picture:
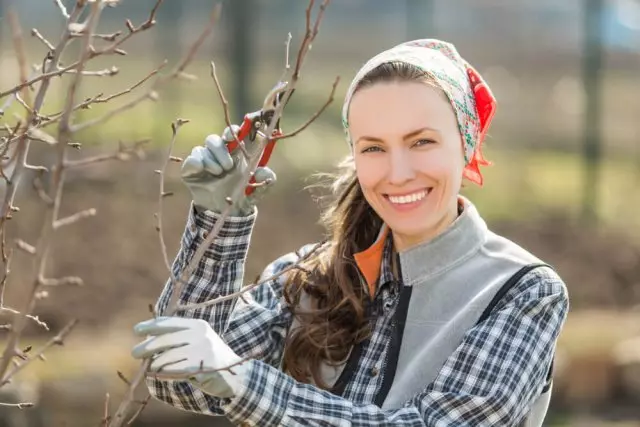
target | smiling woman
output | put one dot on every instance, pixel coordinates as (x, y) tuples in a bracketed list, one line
[(408, 152), (413, 314)]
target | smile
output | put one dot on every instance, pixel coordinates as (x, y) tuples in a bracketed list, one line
[(408, 198), (409, 201)]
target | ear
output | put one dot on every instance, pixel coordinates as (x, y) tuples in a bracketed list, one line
[(486, 105)]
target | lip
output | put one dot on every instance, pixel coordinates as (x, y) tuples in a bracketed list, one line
[(407, 193), (404, 207)]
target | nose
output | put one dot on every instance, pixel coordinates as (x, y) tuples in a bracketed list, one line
[(400, 167)]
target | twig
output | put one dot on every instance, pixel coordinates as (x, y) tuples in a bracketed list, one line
[(41, 78), (110, 114), (56, 340), (106, 417), (47, 43), (314, 116), (74, 218), (238, 192), (121, 154), (107, 72), (119, 417), (175, 126), (64, 281), (225, 108), (63, 9), (18, 405), (178, 70), (56, 185), (115, 46), (168, 376), (252, 286), (18, 42), (23, 142), (29, 316), (143, 405)]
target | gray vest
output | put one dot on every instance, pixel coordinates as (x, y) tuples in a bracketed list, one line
[(450, 283)]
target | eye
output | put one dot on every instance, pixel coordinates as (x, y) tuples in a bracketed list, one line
[(371, 149), (423, 142)]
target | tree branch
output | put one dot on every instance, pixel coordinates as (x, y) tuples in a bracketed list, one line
[(42, 247), (317, 248), (315, 115), (174, 130), (57, 340)]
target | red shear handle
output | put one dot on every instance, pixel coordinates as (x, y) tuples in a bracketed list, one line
[(264, 159), (247, 123)]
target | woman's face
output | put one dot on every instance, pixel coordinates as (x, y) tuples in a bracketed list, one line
[(408, 156)]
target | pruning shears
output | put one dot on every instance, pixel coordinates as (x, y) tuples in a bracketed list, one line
[(257, 122)]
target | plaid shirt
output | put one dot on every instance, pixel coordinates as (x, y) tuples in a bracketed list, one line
[(504, 353)]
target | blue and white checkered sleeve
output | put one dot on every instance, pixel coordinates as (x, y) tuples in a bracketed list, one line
[(492, 378), (253, 326)]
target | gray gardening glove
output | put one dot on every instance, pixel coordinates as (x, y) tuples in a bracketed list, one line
[(212, 174)]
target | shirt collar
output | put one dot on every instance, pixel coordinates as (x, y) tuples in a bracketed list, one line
[(464, 235)]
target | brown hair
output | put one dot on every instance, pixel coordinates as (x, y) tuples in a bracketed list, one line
[(338, 319)]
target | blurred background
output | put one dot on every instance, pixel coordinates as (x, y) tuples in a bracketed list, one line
[(564, 183)]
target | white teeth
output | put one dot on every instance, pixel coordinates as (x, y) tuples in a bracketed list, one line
[(408, 198)]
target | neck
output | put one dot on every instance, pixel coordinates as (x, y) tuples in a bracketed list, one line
[(402, 242)]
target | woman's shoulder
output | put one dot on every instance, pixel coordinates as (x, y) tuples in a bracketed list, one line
[(541, 285), (538, 278)]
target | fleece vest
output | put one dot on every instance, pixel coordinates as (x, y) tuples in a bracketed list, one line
[(449, 284)]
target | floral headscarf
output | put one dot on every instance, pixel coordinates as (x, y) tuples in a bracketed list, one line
[(469, 95)]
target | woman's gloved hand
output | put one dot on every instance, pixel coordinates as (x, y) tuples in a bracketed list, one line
[(211, 174), (187, 349)]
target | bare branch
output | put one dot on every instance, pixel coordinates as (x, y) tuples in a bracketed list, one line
[(168, 376), (314, 251), (18, 42), (64, 281), (21, 244), (63, 9), (213, 18), (175, 126), (123, 378), (315, 115), (123, 408), (47, 43), (143, 405), (115, 46), (56, 340), (119, 110), (42, 77), (22, 405), (106, 418), (225, 108), (29, 316), (74, 218), (23, 142), (107, 72), (56, 184), (122, 154)]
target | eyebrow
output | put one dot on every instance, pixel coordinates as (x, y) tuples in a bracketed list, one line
[(409, 135)]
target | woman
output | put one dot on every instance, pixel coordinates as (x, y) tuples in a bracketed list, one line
[(414, 313)]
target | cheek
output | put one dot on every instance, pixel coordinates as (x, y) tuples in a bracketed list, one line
[(368, 171), (440, 165)]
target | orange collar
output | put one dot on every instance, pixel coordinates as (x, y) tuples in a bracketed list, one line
[(369, 261)]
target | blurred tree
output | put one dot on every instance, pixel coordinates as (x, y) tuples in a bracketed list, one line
[(419, 18), (241, 18), (168, 45), (592, 66)]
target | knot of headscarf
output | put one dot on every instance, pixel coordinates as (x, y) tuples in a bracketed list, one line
[(472, 101)]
